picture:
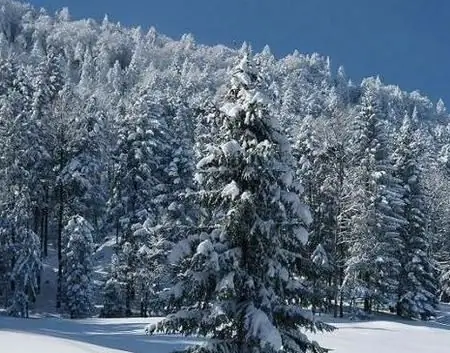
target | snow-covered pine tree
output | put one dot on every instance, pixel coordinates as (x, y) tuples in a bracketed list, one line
[(83, 175), (138, 156), (241, 283), (113, 292), (177, 212), (445, 283), (25, 273), (435, 176), (417, 289), (77, 268), (63, 109), (26, 259), (5, 257), (19, 156), (320, 150), (373, 267), (47, 83), (309, 151)]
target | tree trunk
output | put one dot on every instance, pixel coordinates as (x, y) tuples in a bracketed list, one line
[(128, 299), (366, 305), (37, 226), (60, 229), (61, 201), (341, 298), (45, 235), (60, 219), (336, 290), (13, 260), (336, 297), (41, 230)]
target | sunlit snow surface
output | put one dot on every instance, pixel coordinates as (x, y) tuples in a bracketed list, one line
[(387, 334), (47, 335)]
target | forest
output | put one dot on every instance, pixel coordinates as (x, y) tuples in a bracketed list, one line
[(243, 191)]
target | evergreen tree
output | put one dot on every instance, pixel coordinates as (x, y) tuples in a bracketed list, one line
[(417, 292), (26, 259), (25, 273), (83, 174), (373, 265), (138, 158), (315, 159), (77, 268), (241, 285), (113, 297)]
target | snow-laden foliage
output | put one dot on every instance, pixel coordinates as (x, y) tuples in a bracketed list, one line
[(113, 292), (373, 266), (417, 289), (240, 283), (24, 274), (77, 284)]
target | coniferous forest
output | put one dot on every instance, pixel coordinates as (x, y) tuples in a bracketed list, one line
[(244, 193)]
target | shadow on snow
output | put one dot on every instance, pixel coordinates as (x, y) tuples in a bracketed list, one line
[(129, 337)]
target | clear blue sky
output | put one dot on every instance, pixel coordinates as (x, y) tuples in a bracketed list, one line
[(405, 41)]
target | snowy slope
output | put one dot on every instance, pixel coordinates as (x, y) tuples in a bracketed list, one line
[(127, 335), (46, 300)]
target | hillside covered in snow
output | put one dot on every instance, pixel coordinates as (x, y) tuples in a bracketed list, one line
[(234, 194)]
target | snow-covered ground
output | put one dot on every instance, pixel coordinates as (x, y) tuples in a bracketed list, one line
[(46, 299), (387, 335), (48, 335)]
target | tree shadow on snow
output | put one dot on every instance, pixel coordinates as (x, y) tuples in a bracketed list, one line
[(127, 337)]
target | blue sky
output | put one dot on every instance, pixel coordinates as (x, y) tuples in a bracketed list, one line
[(405, 41)]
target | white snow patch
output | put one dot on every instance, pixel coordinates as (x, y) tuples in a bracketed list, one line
[(260, 327), (258, 97), (226, 283), (205, 247), (179, 251), (301, 234), (287, 178), (242, 77), (206, 160), (232, 190), (231, 110), (246, 195), (173, 206), (231, 148)]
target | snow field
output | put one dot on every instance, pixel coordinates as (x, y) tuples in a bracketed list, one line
[(48, 335)]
